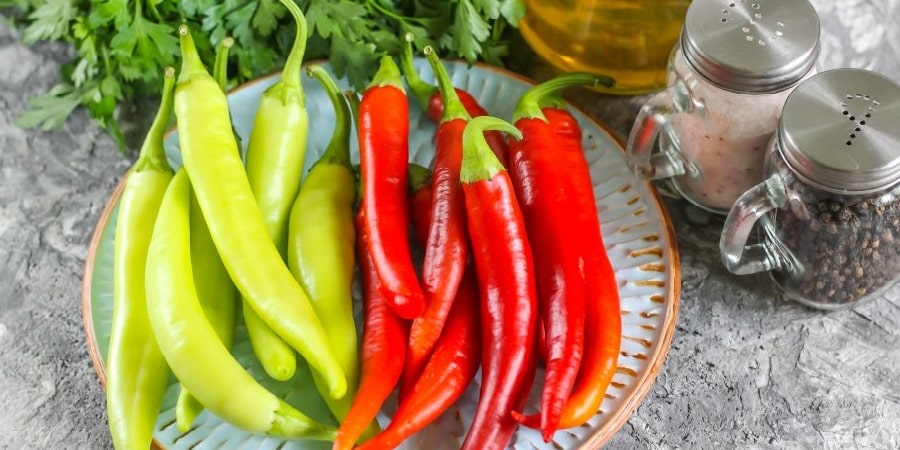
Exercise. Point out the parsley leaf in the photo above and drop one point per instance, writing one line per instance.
(49, 111)
(469, 31)
(487, 8)
(347, 54)
(512, 10)
(145, 47)
(267, 14)
(109, 10)
(50, 21)
(123, 46)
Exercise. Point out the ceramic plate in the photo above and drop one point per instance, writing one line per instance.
(636, 229)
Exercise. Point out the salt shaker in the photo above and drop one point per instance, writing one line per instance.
(829, 209)
(735, 64)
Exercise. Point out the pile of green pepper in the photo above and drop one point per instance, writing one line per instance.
(224, 235)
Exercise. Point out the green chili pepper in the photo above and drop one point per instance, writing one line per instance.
(275, 157)
(136, 373)
(276, 357)
(211, 158)
(214, 289)
(321, 240)
(189, 343)
(277, 147)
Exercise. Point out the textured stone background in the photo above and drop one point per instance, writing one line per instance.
(746, 369)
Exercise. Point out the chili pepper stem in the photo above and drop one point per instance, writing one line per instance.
(529, 107)
(337, 151)
(420, 89)
(453, 107)
(479, 162)
(220, 65)
(152, 155)
(353, 102)
(388, 74)
(290, 74)
(191, 65)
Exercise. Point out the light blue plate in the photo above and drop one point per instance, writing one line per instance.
(636, 230)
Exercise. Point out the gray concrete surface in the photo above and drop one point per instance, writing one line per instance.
(746, 369)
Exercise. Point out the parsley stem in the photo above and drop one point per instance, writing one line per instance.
(393, 15)
(138, 10)
(107, 64)
(155, 12)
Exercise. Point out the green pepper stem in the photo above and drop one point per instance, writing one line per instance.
(353, 100)
(220, 66)
(529, 105)
(453, 107)
(191, 65)
(420, 89)
(338, 151)
(388, 74)
(290, 75)
(552, 101)
(153, 153)
(419, 176)
(479, 162)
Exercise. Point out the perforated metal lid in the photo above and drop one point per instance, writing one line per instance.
(841, 130)
(751, 46)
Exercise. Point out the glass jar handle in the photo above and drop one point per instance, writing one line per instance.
(653, 118)
(740, 258)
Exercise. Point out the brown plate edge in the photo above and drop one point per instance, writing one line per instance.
(86, 294)
(612, 426)
(595, 441)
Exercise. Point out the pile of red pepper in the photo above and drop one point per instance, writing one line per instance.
(514, 268)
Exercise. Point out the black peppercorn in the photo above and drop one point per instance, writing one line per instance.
(847, 250)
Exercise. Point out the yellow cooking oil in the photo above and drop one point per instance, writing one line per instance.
(630, 40)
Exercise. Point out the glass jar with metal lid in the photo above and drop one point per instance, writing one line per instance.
(736, 63)
(829, 210)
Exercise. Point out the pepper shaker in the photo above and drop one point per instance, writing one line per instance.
(735, 64)
(829, 211)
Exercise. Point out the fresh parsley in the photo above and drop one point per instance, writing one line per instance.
(123, 46)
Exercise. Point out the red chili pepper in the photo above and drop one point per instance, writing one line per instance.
(383, 348)
(447, 245)
(538, 174)
(505, 270)
(432, 101)
(455, 359)
(384, 155)
(603, 323)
